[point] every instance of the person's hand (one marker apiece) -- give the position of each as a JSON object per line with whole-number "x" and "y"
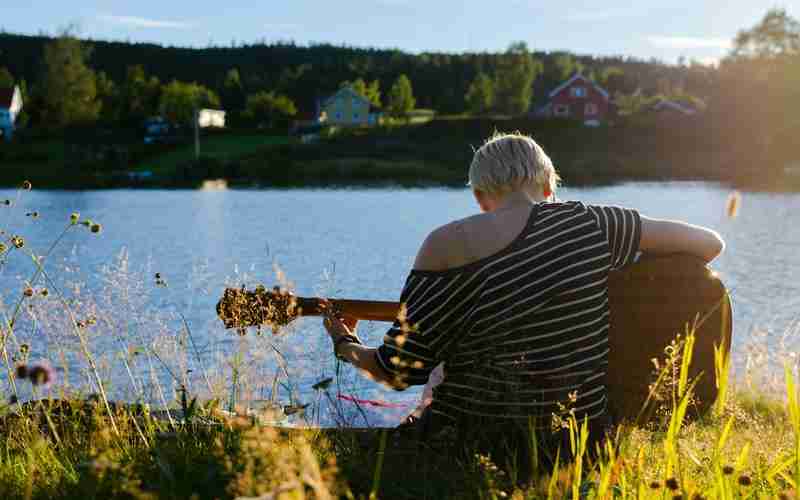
{"x": 340, "y": 328}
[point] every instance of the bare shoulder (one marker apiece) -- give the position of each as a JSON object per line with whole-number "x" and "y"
{"x": 443, "y": 247}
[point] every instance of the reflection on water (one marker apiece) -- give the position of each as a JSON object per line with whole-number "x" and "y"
{"x": 360, "y": 243}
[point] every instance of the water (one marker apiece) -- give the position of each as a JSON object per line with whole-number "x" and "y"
{"x": 347, "y": 243}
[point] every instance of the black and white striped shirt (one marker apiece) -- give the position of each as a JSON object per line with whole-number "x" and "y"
{"x": 519, "y": 330}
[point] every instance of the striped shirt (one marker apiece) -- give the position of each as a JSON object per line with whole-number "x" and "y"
{"x": 521, "y": 330}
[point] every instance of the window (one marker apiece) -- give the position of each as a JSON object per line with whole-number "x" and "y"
{"x": 561, "y": 110}
{"x": 590, "y": 109}
{"x": 578, "y": 91}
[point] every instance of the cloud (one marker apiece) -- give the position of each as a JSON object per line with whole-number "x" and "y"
{"x": 688, "y": 42}
{"x": 142, "y": 22}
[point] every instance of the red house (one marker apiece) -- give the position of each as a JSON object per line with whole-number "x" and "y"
{"x": 579, "y": 98}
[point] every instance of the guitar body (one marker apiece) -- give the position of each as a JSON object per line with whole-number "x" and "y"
{"x": 651, "y": 302}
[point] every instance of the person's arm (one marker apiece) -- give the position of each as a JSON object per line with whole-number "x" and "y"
{"x": 360, "y": 356}
{"x": 665, "y": 237}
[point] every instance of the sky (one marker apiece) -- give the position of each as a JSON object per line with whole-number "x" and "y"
{"x": 695, "y": 29}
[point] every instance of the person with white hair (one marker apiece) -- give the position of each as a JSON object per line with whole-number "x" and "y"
{"x": 510, "y": 306}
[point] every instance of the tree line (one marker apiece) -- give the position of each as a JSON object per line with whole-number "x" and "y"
{"x": 66, "y": 80}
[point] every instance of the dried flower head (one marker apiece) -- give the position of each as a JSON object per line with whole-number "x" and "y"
{"x": 7, "y": 202}
{"x": 18, "y": 241}
{"x": 3, "y": 248}
{"x": 744, "y": 480}
{"x": 22, "y": 371}
{"x": 655, "y": 485}
{"x": 32, "y": 215}
{"x": 44, "y": 292}
{"x": 28, "y": 292}
{"x": 672, "y": 483}
{"x": 727, "y": 470}
{"x": 95, "y": 228}
{"x": 74, "y": 217}
{"x": 41, "y": 374}
{"x": 27, "y": 186}
{"x": 24, "y": 348}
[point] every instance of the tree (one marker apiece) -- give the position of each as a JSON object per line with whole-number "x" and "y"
{"x": 67, "y": 88}
{"x": 480, "y": 95}
{"x": 371, "y": 92}
{"x": 108, "y": 96}
{"x": 777, "y": 34}
{"x": 6, "y": 78}
{"x": 269, "y": 109}
{"x": 612, "y": 78}
{"x": 233, "y": 95}
{"x": 139, "y": 95}
{"x": 401, "y": 97}
{"x": 180, "y": 100}
{"x": 514, "y": 79}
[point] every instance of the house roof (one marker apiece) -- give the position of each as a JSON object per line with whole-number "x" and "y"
{"x": 578, "y": 76}
{"x": 348, "y": 90}
{"x": 7, "y": 97}
{"x": 674, "y": 105}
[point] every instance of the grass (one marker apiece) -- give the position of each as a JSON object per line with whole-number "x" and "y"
{"x": 185, "y": 432}
{"x": 222, "y": 147}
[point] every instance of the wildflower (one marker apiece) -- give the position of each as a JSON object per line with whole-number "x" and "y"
{"x": 40, "y": 374}
{"x": 654, "y": 485}
{"x": 32, "y": 215}
{"x": 727, "y": 470}
{"x": 24, "y": 348}
{"x": 745, "y": 480}
{"x": 698, "y": 496}
{"x": 28, "y": 292}
{"x": 732, "y": 205}
{"x": 18, "y": 241}
{"x": 3, "y": 248}
{"x": 27, "y": 186}
{"x": 677, "y": 497}
{"x": 74, "y": 218}
{"x": 95, "y": 228}
{"x": 44, "y": 292}
{"x": 672, "y": 483}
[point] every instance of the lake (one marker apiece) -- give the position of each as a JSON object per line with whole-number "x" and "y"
{"x": 356, "y": 243}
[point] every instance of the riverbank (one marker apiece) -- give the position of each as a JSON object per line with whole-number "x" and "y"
{"x": 748, "y": 450}
{"x": 436, "y": 153}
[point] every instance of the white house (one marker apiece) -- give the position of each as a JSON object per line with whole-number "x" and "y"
{"x": 211, "y": 118}
{"x": 10, "y": 107}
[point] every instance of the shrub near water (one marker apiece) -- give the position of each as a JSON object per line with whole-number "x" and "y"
{"x": 64, "y": 442}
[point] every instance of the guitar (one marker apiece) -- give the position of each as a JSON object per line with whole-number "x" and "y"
{"x": 651, "y": 302}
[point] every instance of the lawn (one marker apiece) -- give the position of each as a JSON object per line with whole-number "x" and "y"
{"x": 223, "y": 147}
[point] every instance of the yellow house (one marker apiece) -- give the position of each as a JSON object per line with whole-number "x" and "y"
{"x": 347, "y": 108}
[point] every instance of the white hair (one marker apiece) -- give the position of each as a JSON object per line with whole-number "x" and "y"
{"x": 507, "y": 162}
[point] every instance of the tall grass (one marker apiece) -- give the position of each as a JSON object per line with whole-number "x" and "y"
{"x": 192, "y": 422}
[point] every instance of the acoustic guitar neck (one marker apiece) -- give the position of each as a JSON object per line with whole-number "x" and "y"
{"x": 369, "y": 310}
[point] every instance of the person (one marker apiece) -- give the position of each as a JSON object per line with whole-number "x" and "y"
{"x": 511, "y": 304}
